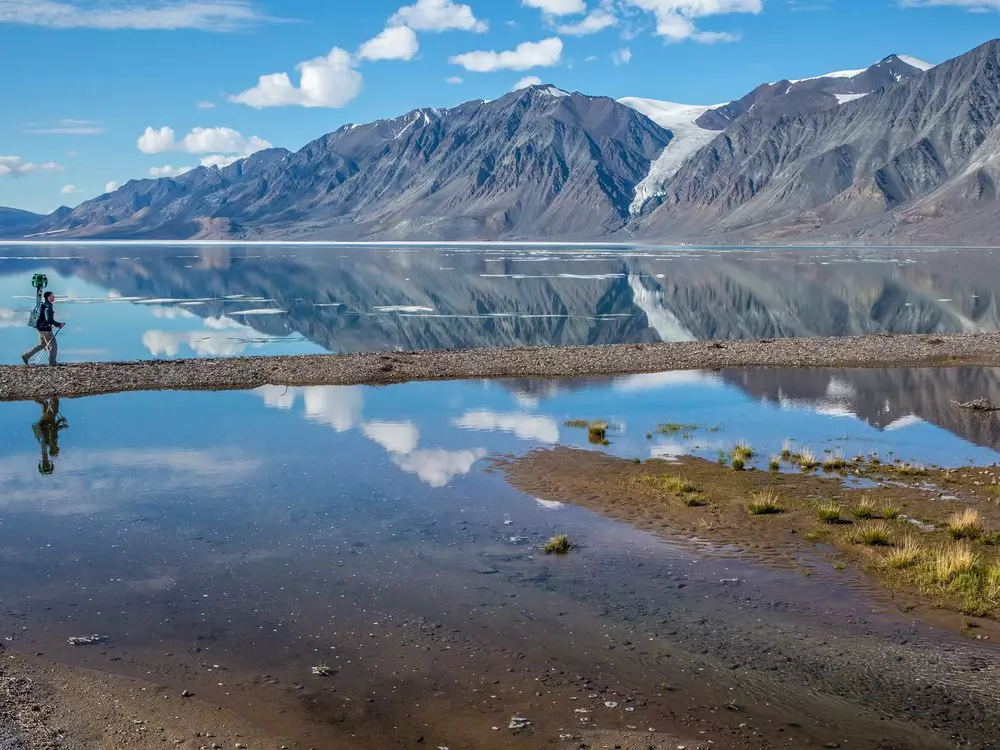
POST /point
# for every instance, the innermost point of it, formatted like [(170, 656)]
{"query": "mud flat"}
[(883, 350)]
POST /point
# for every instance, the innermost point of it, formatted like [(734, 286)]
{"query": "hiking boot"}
[(24, 358)]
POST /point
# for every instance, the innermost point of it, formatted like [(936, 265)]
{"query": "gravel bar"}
[(382, 368)]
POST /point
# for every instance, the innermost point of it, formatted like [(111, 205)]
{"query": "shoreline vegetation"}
[(928, 536), (383, 368)]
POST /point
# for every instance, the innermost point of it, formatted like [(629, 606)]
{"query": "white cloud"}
[(330, 81), (11, 318), (598, 20), (454, 80), (675, 19), (67, 190), (438, 467), (395, 437), (621, 56), (111, 187), (591, 58), (67, 126), (439, 15), (543, 54), (12, 166), (527, 82), (219, 160), (557, 7), (337, 406), (524, 426), (394, 43), (168, 171), (204, 15), (205, 105), (200, 141)]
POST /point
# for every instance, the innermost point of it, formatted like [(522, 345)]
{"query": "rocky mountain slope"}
[(898, 152)]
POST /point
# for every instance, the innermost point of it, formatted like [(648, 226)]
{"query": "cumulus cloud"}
[(557, 7), (67, 190), (394, 43), (168, 171), (598, 20), (543, 54), (675, 19), (111, 187), (439, 15), (330, 81), (438, 467), (200, 141), (67, 126), (12, 166), (395, 437), (527, 82), (203, 15), (621, 56), (454, 80), (524, 426)]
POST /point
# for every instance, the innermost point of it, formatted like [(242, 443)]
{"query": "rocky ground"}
[(886, 350)]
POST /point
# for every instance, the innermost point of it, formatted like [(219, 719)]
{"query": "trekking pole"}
[(47, 347)]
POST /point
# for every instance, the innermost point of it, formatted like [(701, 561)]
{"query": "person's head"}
[(50, 297)]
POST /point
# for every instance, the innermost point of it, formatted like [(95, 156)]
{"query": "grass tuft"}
[(905, 555), (890, 512), (828, 513), (951, 561), (738, 463), (672, 428), (874, 534), (806, 460), (765, 502), (834, 462), (558, 545), (865, 509), (674, 485), (967, 524), (742, 450), (775, 464), (786, 451)]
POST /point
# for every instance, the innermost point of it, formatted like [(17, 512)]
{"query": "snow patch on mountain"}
[(844, 98), (916, 62), (834, 74), (688, 138), (667, 326)]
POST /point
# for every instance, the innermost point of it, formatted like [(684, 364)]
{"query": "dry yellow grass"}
[(906, 554), (967, 524), (950, 561), (765, 502)]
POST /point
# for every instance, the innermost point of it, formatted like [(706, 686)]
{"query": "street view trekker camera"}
[(39, 281)]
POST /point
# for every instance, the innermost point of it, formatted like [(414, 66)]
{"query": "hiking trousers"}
[(46, 339)]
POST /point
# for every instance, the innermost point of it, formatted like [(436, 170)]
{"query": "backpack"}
[(33, 315)]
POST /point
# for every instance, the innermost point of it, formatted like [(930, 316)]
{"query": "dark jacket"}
[(47, 318)]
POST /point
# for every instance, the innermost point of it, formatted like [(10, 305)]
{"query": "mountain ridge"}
[(896, 151)]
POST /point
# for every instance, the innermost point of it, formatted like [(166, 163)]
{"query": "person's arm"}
[(52, 318)]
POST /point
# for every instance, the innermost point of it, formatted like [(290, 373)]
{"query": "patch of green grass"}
[(967, 524), (774, 464), (738, 464), (765, 502), (694, 500), (723, 459), (714, 428), (991, 538), (891, 512), (742, 450), (992, 491), (865, 509), (672, 428), (558, 545), (874, 534), (815, 535), (828, 513), (674, 485), (910, 470)]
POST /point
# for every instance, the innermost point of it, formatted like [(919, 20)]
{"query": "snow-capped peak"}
[(834, 74), (916, 62), (553, 91)]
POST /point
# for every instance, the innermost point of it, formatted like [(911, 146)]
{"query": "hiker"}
[(46, 432), (46, 336)]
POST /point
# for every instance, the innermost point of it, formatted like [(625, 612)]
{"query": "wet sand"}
[(884, 350)]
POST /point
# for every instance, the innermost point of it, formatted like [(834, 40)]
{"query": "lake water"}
[(228, 542), (124, 302)]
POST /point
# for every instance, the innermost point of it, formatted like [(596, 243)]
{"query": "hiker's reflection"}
[(46, 432)]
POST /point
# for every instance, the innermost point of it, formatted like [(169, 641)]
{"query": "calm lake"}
[(228, 542)]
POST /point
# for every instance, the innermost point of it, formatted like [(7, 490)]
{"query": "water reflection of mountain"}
[(886, 399), (501, 298)]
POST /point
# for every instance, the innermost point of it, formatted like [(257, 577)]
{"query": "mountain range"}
[(899, 152)]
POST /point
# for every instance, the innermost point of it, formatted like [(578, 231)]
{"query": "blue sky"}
[(85, 79)]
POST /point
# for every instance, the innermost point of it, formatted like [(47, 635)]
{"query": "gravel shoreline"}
[(383, 368)]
